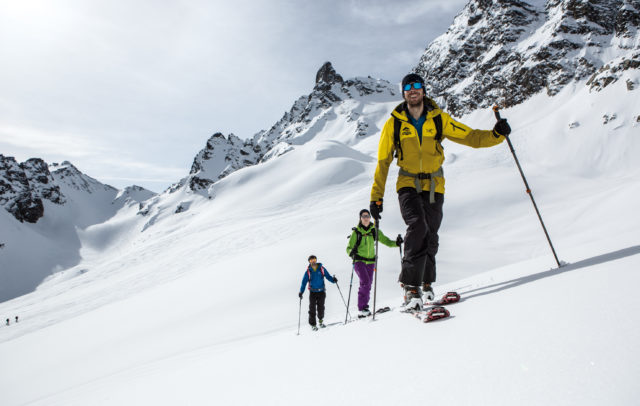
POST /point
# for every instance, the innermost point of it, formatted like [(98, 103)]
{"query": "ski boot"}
[(364, 313), (314, 327), (321, 324), (427, 293), (412, 298)]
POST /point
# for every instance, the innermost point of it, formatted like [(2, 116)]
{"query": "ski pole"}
[(496, 110), (375, 270), (400, 248), (349, 297), (345, 303), (299, 315)]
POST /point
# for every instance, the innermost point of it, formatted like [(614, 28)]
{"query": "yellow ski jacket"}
[(425, 157)]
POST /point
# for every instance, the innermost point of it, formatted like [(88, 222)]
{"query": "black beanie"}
[(311, 256), (412, 78), (364, 211)]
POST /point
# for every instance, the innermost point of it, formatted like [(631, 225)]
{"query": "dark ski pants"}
[(423, 221), (316, 300)]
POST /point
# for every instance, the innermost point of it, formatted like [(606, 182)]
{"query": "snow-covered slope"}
[(214, 288), (46, 210), (191, 297), (524, 334)]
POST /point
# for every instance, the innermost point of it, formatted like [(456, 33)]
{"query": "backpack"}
[(354, 251), (309, 275)]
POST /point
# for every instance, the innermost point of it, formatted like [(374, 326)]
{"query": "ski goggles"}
[(365, 216), (415, 85)]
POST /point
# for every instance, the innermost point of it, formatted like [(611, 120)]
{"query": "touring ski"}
[(429, 314), (448, 298)]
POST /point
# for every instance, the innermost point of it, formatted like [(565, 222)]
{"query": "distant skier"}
[(16, 319), (415, 131), (8, 323), (361, 248), (314, 276)]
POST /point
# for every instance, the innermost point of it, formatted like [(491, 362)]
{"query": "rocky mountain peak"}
[(327, 75), (67, 175), (221, 156), (24, 185), (505, 51), (224, 155), (329, 91)]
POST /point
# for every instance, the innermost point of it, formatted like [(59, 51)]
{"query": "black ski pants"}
[(423, 221), (316, 300)]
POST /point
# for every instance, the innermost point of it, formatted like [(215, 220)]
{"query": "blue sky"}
[(129, 91)]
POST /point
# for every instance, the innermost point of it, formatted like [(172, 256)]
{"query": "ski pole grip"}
[(496, 111)]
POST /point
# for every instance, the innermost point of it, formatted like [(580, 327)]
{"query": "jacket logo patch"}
[(455, 127), (406, 131)]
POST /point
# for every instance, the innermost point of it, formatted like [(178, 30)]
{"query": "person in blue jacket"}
[(314, 276)]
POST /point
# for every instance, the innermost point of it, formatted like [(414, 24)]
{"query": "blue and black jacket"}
[(315, 278)]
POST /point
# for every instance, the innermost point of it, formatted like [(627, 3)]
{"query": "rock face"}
[(505, 51), (219, 158), (330, 90), (23, 186), (224, 155)]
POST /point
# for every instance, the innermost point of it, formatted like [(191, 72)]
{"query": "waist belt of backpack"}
[(357, 257), (417, 177)]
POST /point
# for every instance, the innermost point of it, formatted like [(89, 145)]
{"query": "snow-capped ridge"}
[(70, 177), (330, 90), (507, 51), (133, 194), (224, 155)]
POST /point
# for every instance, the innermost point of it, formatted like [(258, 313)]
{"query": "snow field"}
[(201, 307)]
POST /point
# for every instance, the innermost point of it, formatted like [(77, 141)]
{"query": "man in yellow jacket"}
[(414, 132)]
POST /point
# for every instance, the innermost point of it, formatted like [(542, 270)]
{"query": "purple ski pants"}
[(365, 273)]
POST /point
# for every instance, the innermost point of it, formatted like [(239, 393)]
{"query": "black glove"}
[(335, 279), (399, 240), (300, 295), (501, 128), (376, 208)]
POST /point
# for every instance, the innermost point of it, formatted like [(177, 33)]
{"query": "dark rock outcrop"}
[(506, 51), (24, 185)]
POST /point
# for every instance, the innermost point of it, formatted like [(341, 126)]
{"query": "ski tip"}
[(436, 313)]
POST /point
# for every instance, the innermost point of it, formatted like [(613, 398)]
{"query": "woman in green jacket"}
[(362, 249)]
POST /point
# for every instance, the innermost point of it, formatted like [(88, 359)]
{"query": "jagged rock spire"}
[(327, 75)]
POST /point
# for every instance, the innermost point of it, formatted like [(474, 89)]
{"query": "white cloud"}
[(401, 12)]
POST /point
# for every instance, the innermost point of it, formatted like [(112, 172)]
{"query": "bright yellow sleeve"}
[(462, 134), (386, 148)]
